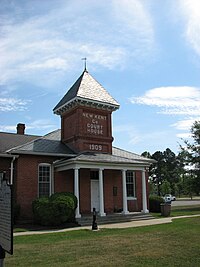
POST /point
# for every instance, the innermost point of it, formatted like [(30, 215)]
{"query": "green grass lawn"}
[(174, 244), (185, 210)]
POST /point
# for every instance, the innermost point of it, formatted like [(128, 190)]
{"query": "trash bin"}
[(165, 209)]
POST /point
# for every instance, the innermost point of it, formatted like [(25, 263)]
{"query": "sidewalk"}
[(110, 226)]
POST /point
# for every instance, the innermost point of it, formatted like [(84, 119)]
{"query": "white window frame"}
[(134, 185), (50, 177)]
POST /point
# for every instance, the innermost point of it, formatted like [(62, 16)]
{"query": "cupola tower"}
[(86, 111)]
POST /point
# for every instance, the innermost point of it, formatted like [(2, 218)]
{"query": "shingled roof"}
[(49, 144), (86, 90), (118, 159), (10, 140)]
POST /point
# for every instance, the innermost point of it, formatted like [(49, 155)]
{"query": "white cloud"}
[(42, 124), (8, 128), (183, 135), (172, 100), (184, 124), (191, 13), (12, 104), (129, 132), (132, 137), (33, 45), (53, 63)]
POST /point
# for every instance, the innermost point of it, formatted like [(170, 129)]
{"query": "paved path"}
[(188, 202), (110, 226)]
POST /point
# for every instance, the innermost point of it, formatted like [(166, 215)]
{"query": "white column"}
[(144, 193), (101, 196), (125, 206), (76, 191)]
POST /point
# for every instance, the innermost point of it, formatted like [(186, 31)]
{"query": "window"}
[(44, 180), (130, 184), (94, 175)]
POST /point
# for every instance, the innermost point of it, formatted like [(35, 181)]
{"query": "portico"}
[(105, 196)]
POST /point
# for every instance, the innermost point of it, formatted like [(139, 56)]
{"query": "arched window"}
[(44, 179)]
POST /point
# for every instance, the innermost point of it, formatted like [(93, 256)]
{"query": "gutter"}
[(4, 155), (25, 152)]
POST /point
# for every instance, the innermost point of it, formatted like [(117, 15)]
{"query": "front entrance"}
[(95, 195)]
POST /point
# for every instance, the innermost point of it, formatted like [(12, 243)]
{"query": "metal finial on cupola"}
[(85, 59)]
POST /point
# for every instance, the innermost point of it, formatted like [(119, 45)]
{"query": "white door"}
[(95, 195)]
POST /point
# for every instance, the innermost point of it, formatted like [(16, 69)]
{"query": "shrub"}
[(41, 210), (55, 210), (70, 198), (58, 195), (154, 203)]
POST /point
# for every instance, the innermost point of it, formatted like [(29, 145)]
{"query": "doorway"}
[(95, 195)]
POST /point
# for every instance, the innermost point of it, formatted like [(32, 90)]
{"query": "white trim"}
[(73, 163), (85, 102), (125, 205), (76, 191), (144, 193), (41, 153), (101, 195), (5, 155), (131, 198)]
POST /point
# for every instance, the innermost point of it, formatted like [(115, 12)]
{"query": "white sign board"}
[(6, 222)]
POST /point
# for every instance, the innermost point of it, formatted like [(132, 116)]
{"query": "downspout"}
[(12, 170)]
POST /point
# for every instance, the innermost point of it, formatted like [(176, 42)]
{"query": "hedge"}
[(57, 209), (154, 203)]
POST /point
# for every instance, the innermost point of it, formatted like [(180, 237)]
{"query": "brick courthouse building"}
[(79, 158)]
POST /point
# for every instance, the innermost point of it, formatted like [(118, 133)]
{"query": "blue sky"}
[(146, 53)]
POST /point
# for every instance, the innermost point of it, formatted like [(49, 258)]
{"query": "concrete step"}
[(86, 220)]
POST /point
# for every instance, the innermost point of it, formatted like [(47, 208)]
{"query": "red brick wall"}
[(85, 191), (64, 181), (27, 181), (87, 129), (69, 125), (137, 205), (112, 178)]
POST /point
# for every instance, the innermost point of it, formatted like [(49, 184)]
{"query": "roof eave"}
[(20, 152), (5, 155), (105, 164), (86, 102)]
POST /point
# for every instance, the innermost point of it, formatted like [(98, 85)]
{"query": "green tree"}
[(168, 167), (146, 154), (156, 170), (171, 170), (192, 150), (183, 169), (165, 188)]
